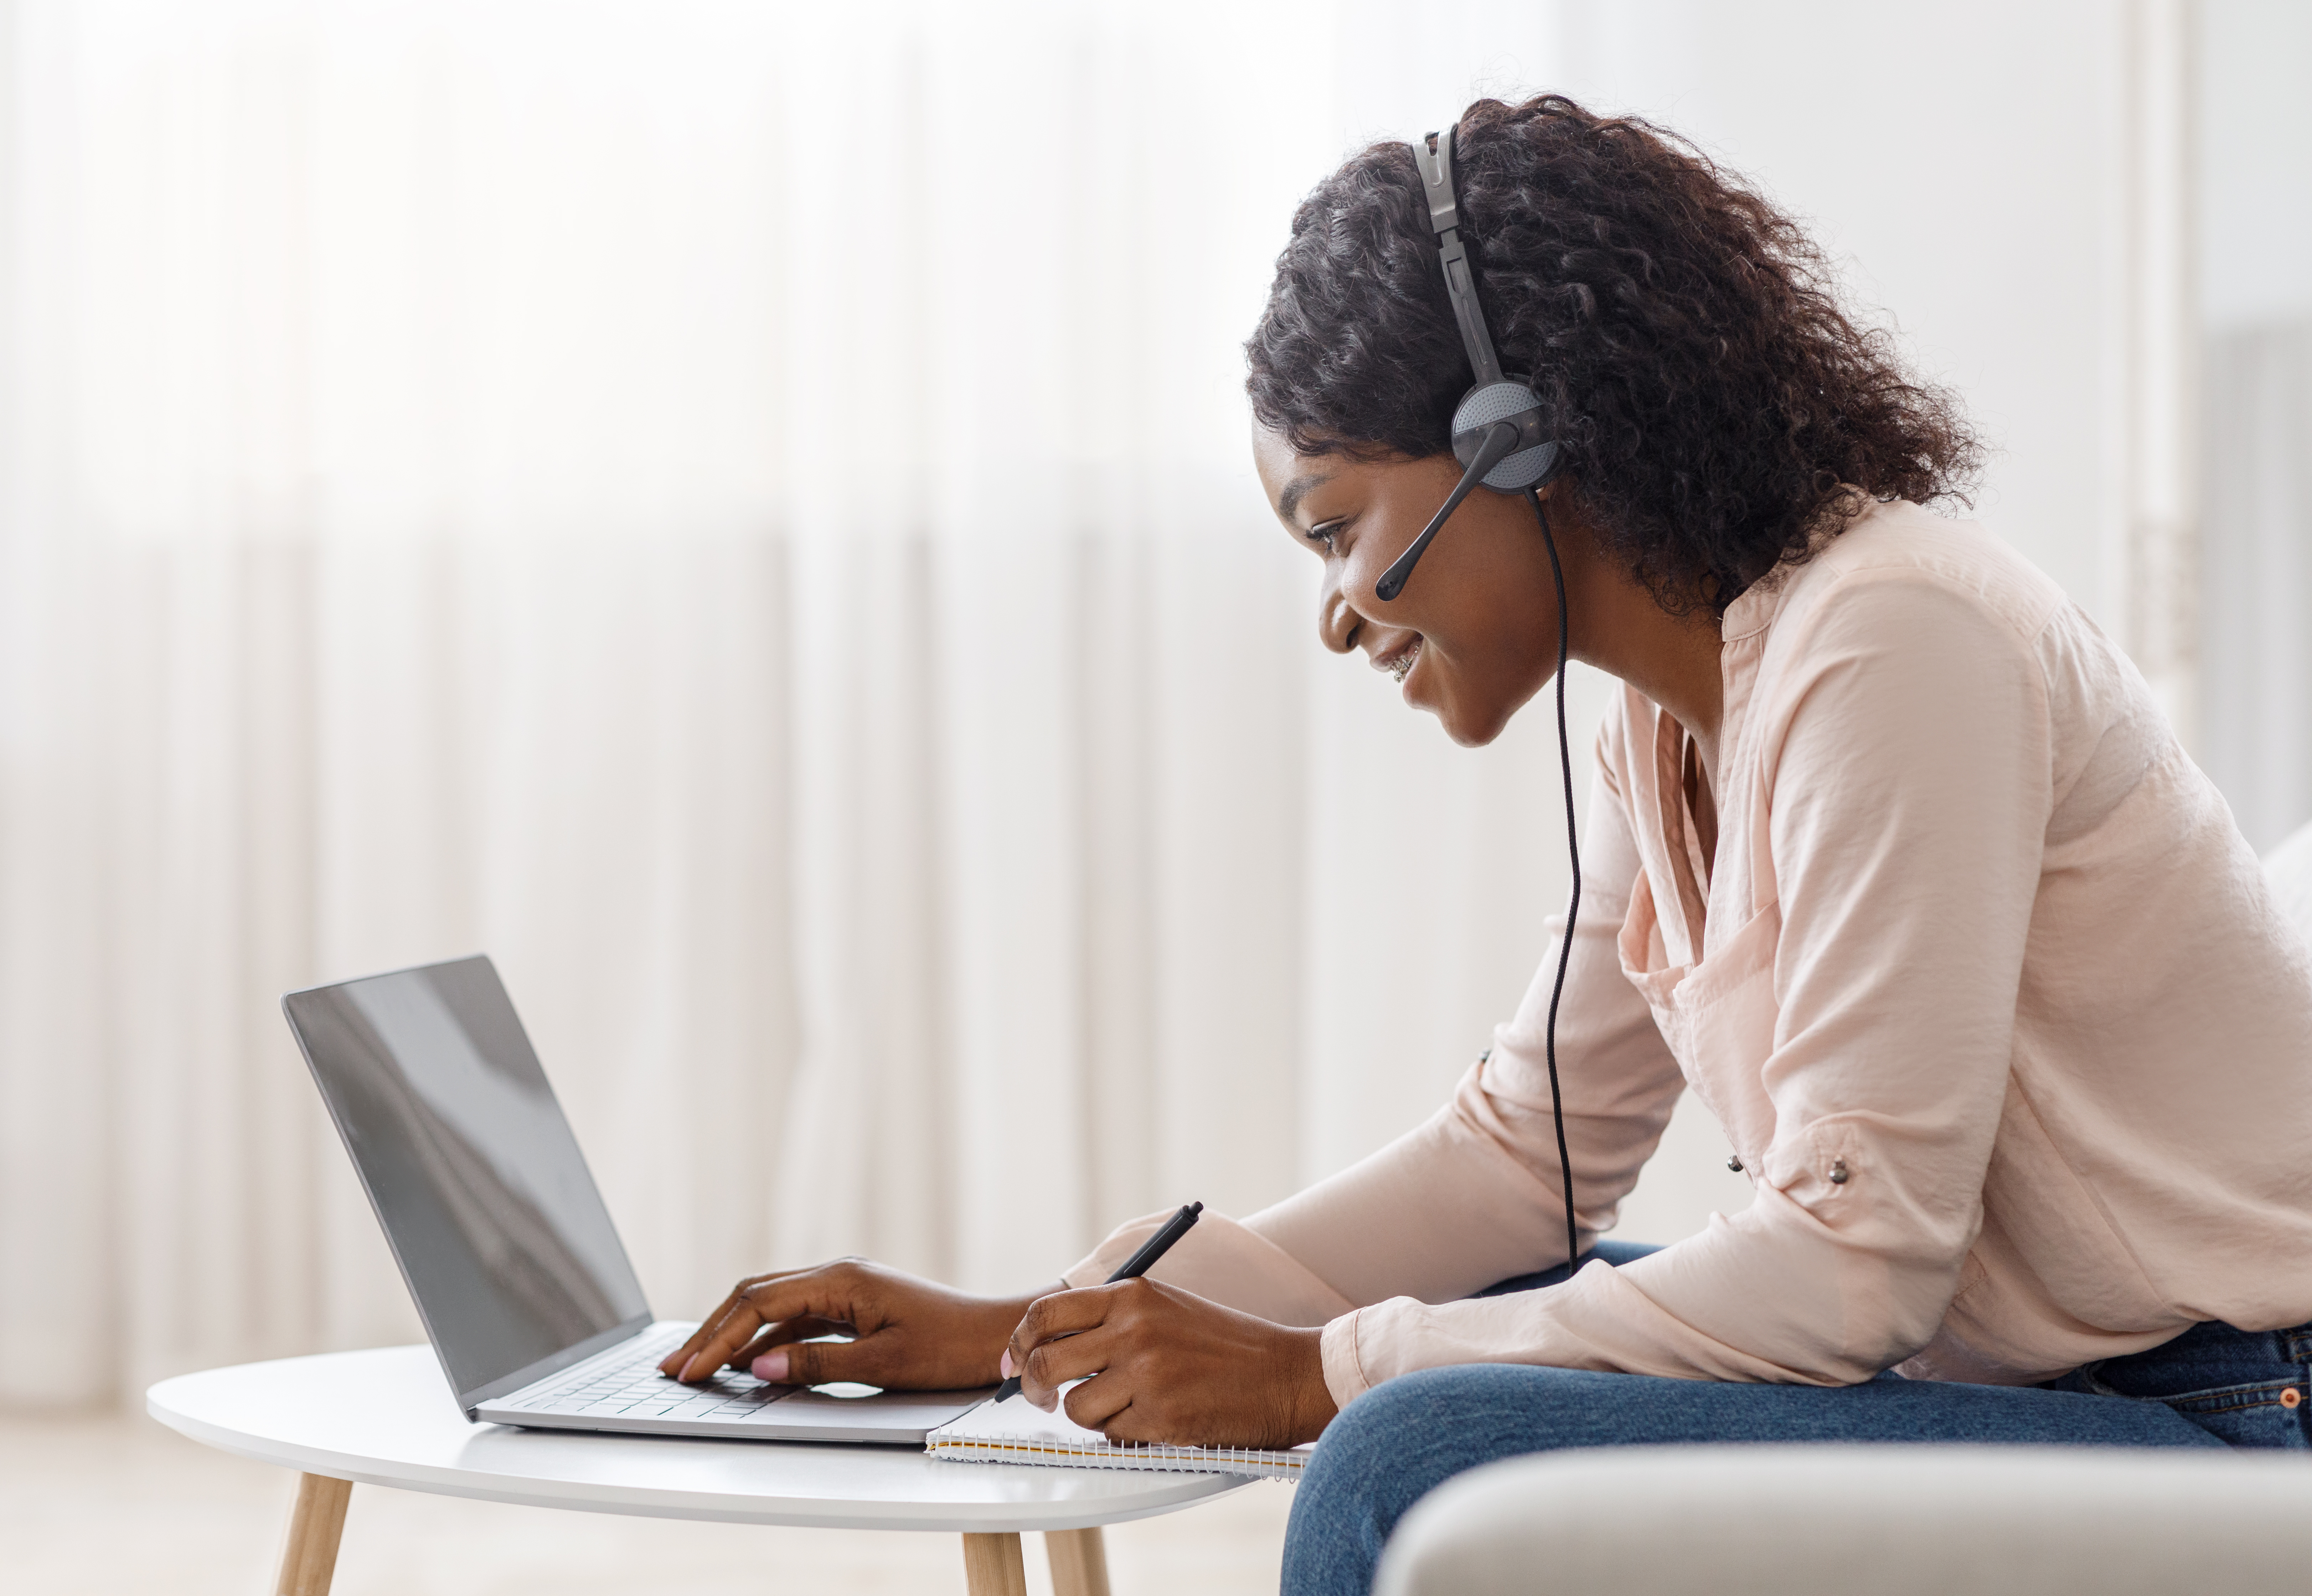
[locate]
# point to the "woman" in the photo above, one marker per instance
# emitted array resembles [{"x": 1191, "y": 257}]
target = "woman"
[{"x": 1890, "y": 856}]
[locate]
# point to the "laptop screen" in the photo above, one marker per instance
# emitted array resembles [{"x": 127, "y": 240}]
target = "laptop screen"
[{"x": 484, "y": 1195}]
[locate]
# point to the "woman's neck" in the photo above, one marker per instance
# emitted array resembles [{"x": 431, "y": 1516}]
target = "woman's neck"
[{"x": 1618, "y": 627}]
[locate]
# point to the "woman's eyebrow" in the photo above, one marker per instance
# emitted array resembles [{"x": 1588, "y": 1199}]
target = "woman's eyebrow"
[{"x": 1298, "y": 489}]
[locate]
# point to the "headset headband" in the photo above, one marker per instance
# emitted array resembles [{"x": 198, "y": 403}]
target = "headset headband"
[
  {"x": 1496, "y": 429},
  {"x": 1434, "y": 157}
]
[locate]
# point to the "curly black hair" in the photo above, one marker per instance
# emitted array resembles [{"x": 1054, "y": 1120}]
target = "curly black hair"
[{"x": 1716, "y": 405}]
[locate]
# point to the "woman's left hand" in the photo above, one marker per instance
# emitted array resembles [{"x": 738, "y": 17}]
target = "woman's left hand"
[{"x": 1172, "y": 1367}]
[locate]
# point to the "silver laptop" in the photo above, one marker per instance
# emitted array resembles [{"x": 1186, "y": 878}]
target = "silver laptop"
[{"x": 518, "y": 1272}]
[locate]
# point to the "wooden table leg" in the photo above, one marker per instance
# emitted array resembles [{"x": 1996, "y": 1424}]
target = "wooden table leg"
[
  {"x": 1078, "y": 1561},
  {"x": 309, "y": 1560},
  {"x": 991, "y": 1565}
]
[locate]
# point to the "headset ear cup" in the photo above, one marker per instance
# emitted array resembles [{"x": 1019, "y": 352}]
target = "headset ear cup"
[
  {"x": 1480, "y": 409},
  {"x": 1527, "y": 468}
]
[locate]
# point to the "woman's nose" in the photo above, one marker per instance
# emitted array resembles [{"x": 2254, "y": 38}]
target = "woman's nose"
[{"x": 1336, "y": 623}]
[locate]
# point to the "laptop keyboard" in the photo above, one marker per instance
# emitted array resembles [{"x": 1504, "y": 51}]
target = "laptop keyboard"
[{"x": 633, "y": 1387}]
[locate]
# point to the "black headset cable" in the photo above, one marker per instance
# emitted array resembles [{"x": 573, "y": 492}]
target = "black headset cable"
[{"x": 1573, "y": 905}]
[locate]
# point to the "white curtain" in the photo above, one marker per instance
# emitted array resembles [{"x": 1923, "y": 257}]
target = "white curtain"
[
  {"x": 743, "y": 516},
  {"x": 741, "y": 511}
]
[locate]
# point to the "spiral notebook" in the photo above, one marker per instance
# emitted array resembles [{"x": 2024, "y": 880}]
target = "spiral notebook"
[{"x": 1020, "y": 1432}]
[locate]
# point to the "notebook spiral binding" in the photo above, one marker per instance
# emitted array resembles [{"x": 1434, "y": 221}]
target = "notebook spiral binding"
[{"x": 1002, "y": 1447}]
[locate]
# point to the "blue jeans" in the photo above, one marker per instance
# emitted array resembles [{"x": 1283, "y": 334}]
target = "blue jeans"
[{"x": 2212, "y": 1386}]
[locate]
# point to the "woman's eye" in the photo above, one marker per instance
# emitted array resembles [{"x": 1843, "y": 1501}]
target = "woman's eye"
[{"x": 1325, "y": 534}]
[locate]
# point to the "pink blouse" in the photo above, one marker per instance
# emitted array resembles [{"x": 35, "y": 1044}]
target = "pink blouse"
[{"x": 1983, "y": 985}]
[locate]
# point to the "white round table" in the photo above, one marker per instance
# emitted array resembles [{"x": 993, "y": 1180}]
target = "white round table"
[{"x": 387, "y": 1417}]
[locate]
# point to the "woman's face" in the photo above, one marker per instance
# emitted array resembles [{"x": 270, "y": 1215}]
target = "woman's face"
[{"x": 1474, "y": 633}]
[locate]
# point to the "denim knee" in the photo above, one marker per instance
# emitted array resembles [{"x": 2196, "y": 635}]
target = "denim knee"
[
  {"x": 1367, "y": 1474},
  {"x": 1338, "y": 1525}
]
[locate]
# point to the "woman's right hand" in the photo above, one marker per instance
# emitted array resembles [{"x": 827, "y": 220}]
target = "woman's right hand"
[{"x": 907, "y": 1334}]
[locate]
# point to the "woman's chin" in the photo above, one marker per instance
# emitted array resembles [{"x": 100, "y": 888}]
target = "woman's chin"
[
  {"x": 1470, "y": 727},
  {"x": 1470, "y": 721}
]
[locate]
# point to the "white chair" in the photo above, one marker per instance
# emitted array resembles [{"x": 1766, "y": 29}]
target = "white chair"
[
  {"x": 1885, "y": 1521},
  {"x": 1851, "y": 1521}
]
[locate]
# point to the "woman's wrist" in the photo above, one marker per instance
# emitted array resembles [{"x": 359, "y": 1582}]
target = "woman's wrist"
[{"x": 1309, "y": 1405}]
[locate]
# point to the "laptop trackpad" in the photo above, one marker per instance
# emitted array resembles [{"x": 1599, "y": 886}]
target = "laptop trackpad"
[{"x": 845, "y": 1411}]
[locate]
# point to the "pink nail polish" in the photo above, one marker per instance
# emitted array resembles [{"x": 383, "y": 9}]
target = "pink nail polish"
[
  {"x": 772, "y": 1367},
  {"x": 1006, "y": 1364}
]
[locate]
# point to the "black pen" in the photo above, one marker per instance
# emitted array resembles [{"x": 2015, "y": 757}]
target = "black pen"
[{"x": 1135, "y": 1266}]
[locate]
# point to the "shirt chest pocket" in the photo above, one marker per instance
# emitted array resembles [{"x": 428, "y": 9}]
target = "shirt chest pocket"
[{"x": 1717, "y": 1015}]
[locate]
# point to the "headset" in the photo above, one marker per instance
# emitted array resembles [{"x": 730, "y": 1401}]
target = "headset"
[{"x": 1497, "y": 437}]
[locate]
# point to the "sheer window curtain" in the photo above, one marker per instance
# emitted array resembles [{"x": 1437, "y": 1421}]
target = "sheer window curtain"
[{"x": 742, "y": 514}]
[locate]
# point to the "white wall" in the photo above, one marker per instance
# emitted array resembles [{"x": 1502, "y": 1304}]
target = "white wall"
[
  {"x": 2254, "y": 165},
  {"x": 2254, "y": 162}
]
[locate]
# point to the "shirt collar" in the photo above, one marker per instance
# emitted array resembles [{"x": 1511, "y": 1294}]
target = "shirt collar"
[{"x": 1762, "y": 600}]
